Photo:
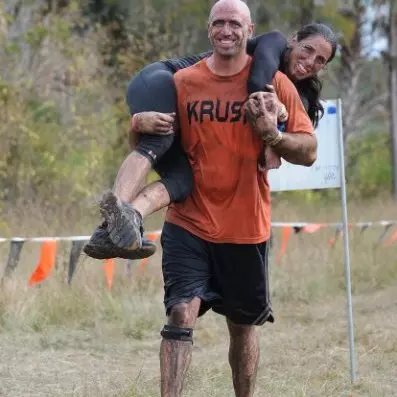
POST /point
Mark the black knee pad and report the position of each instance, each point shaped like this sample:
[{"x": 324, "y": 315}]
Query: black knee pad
[
  {"x": 153, "y": 147},
  {"x": 177, "y": 333}
]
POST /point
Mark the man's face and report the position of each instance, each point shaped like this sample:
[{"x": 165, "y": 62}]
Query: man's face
[
  {"x": 308, "y": 57},
  {"x": 228, "y": 31}
]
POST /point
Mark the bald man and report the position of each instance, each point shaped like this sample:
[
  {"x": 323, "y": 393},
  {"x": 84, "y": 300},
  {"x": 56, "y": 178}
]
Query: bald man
[{"x": 215, "y": 243}]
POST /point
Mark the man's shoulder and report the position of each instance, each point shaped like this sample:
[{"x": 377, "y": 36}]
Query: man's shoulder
[
  {"x": 280, "y": 78},
  {"x": 190, "y": 72},
  {"x": 282, "y": 83}
]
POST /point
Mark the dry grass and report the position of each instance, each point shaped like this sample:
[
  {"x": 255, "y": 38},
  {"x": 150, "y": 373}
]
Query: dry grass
[{"x": 81, "y": 340}]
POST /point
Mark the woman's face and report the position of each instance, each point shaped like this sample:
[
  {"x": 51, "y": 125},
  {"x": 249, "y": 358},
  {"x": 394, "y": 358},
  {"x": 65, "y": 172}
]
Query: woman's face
[{"x": 307, "y": 57}]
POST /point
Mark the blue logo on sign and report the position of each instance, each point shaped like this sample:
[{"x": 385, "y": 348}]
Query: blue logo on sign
[{"x": 331, "y": 110}]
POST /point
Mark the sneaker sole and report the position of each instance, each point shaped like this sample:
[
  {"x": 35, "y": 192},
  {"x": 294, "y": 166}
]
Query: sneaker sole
[
  {"x": 116, "y": 222},
  {"x": 98, "y": 252}
]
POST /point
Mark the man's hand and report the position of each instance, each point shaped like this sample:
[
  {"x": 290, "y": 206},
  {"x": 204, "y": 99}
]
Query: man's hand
[{"x": 153, "y": 123}]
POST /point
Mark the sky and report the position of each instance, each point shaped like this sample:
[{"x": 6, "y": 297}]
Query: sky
[{"x": 374, "y": 44}]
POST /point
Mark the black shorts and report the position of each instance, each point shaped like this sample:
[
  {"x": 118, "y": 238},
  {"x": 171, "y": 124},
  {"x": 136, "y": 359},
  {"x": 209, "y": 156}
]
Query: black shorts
[{"x": 232, "y": 279}]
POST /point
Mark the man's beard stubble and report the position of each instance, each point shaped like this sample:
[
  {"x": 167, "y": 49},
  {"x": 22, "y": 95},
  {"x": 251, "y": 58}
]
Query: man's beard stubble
[{"x": 237, "y": 50}]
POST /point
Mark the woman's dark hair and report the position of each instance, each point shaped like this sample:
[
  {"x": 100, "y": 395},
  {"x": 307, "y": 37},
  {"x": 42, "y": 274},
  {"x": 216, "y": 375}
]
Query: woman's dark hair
[{"x": 310, "y": 88}]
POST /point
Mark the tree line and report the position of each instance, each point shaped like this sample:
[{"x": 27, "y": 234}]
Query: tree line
[{"x": 65, "y": 65}]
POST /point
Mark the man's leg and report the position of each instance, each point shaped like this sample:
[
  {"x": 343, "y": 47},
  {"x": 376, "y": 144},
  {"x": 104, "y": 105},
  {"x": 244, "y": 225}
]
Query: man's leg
[
  {"x": 246, "y": 304},
  {"x": 176, "y": 354},
  {"x": 243, "y": 357},
  {"x": 188, "y": 293}
]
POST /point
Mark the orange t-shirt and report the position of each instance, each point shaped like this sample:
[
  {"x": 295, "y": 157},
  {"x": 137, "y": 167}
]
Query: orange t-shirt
[{"x": 230, "y": 202}]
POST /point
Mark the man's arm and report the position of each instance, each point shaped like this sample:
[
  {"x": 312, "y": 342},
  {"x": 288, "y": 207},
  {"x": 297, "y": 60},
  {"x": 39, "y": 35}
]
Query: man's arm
[
  {"x": 298, "y": 149},
  {"x": 154, "y": 123}
]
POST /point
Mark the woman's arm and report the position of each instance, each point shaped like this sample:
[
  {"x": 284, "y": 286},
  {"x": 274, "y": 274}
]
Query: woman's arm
[{"x": 267, "y": 51}]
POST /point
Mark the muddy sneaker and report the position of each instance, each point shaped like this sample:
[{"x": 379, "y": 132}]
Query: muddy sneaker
[
  {"x": 101, "y": 247},
  {"x": 124, "y": 223}
]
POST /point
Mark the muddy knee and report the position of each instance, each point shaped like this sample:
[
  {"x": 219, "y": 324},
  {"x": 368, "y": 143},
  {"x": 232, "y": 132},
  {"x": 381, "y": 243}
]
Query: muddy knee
[
  {"x": 184, "y": 314},
  {"x": 181, "y": 321}
]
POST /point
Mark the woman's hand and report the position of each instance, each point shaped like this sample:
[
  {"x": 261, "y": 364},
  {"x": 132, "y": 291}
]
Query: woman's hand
[
  {"x": 282, "y": 114},
  {"x": 262, "y": 110}
]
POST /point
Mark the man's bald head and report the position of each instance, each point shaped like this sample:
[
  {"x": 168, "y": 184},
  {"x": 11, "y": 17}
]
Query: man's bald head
[
  {"x": 237, "y": 6},
  {"x": 229, "y": 27}
]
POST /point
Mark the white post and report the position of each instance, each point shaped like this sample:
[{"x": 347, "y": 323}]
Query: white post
[{"x": 346, "y": 244}]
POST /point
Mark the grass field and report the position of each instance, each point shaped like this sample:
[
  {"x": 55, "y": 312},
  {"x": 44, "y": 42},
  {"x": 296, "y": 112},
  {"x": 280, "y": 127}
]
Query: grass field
[{"x": 83, "y": 340}]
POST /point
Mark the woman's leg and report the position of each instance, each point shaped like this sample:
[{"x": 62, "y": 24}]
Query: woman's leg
[
  {"x": 125, "y": 221},
  {"x": 152, "y": 89},
  {"x": 175, "y": 185}
]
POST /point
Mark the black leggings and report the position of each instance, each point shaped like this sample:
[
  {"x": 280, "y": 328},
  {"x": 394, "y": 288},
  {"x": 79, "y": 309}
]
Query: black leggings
[{"x": 153, "y": 89}]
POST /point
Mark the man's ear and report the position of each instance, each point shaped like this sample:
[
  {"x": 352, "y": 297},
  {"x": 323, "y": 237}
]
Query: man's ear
[{"x": 251, "y": 30}]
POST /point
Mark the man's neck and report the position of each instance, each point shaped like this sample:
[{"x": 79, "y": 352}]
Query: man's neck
[{"x": 222, "y": 66}]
